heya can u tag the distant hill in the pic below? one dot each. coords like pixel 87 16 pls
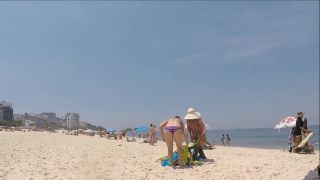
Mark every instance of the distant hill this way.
pixel 86 125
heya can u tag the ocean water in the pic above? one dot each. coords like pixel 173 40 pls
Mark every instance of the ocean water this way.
pixel 259 138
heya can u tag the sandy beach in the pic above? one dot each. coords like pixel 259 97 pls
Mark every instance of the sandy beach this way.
pixel 40 155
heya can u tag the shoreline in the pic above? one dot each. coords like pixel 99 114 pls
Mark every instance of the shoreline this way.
pixel 285 150
pixel 40 155
pixel 245 147
pixel 252 128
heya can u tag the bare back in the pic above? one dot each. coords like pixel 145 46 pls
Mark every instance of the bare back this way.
pixel 173 122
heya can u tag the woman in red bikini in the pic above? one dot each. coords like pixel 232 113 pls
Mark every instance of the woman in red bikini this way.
pixel 173 130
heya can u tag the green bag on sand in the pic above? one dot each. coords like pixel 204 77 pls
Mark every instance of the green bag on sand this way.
pixel 187 157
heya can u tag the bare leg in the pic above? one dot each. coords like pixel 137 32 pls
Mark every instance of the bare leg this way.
pixel 297 141
pixel 150 140
pixel 202 155
pixel 169 141
pixel 178 138
pixel 153 139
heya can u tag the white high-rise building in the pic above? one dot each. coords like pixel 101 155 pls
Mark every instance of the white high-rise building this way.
pixel 72 120
pixel 5 103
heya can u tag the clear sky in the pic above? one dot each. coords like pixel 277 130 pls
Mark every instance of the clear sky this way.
pixel 120 64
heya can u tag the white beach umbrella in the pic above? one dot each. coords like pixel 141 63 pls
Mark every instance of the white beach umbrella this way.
pixel 286 122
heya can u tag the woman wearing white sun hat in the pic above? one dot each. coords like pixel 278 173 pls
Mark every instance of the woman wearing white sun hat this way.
pixel 197 131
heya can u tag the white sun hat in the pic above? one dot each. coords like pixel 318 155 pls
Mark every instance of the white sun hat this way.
pixel 191 114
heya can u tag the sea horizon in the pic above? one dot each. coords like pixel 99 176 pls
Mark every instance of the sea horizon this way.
pixel 265 138
pixel 252 128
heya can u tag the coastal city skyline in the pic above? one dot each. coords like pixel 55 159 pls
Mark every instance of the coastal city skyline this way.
pixel 241 65
pixel 42 121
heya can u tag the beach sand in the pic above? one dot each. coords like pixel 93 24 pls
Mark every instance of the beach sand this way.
pixel 40 155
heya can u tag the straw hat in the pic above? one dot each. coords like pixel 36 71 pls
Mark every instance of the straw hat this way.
pixel 191 114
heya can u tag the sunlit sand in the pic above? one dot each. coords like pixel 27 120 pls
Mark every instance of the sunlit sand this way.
pixel 40 155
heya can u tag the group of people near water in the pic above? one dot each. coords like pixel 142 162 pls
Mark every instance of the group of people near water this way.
pixel 225 140
pixel 193 130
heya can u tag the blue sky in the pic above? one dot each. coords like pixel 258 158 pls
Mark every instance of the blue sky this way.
pixel 120 64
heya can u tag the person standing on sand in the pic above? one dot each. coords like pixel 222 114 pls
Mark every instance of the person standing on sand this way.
pixel 150 134
pixel 298 131
pixel 173 130
pixel 222 140
pixel 154 136
pixel 228 140
pixel 197 131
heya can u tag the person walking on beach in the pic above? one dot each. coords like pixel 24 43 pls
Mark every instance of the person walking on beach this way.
pixel 228 140
pixel 150 134
pixel 197 131
pixel 298 131
pixel 222 140
pixel 154 135
pixel 173 130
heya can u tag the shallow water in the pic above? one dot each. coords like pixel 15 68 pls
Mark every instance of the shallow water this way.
pixel 259 138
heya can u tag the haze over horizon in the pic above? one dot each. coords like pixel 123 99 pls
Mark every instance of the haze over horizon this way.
pixel 121 64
